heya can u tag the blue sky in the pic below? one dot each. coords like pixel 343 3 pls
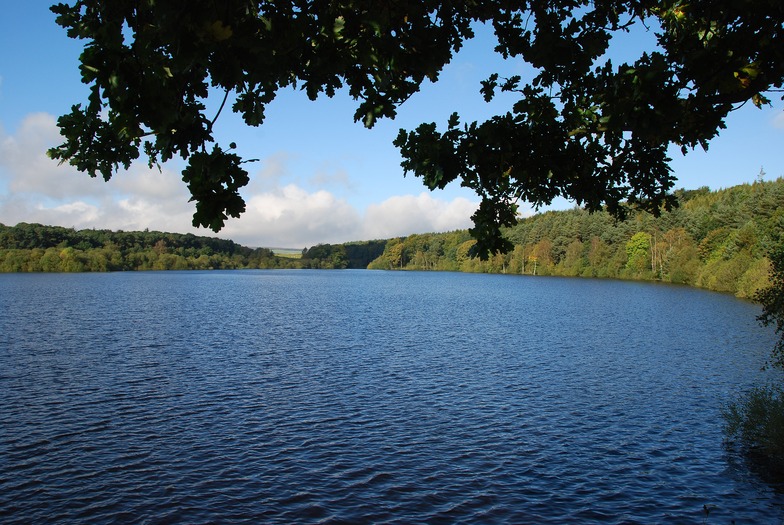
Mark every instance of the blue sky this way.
pixel 320 178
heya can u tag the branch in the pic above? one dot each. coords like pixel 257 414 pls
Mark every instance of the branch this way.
pixel 220 109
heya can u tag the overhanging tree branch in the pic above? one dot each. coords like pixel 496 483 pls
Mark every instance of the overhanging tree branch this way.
pixel 709 58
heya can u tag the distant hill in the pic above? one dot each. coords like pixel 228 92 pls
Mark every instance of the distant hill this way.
pixel 348 255
pixel 38 248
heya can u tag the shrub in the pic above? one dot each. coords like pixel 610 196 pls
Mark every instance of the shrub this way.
pixel 756 421
pixel 772 300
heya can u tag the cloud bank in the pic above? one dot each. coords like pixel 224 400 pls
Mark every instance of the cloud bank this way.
pixel 33 188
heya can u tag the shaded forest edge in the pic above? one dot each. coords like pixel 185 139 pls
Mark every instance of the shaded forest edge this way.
pixel 716 240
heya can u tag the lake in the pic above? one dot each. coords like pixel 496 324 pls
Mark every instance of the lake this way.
pixel 372 397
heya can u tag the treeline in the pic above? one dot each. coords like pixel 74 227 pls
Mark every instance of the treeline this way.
pixel 341 256
pixel 715 240
pixel 38 248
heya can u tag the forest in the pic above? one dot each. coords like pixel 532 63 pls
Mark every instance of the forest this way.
pixel 716 240
pixel 38 248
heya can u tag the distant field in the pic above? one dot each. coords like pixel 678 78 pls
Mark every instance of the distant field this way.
pixel 288 253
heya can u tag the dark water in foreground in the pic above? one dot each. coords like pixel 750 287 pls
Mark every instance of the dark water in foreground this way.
pixel 371 397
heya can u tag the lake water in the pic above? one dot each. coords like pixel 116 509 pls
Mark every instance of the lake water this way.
pixel 372 397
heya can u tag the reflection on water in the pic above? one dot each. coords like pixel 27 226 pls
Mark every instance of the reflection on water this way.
pixel 298 397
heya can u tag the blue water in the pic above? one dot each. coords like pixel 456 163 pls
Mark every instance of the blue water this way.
pixel 372 397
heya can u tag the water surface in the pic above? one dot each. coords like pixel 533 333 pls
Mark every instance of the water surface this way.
pixel 371 397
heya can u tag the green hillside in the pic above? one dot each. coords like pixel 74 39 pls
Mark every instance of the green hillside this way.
pixel 715 240
pixel 38 248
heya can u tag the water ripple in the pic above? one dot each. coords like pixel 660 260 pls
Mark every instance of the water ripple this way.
pixel 345 397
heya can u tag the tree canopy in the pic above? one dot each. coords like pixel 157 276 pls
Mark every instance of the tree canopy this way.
pixel 580 127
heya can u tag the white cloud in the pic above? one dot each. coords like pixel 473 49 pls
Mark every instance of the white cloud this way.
pixel 292 217
pixel 23 159
pixel 33 188
pixel 407 214
pixel 112 213
pixel 151 184
pixel 78 212
pixel 37 189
